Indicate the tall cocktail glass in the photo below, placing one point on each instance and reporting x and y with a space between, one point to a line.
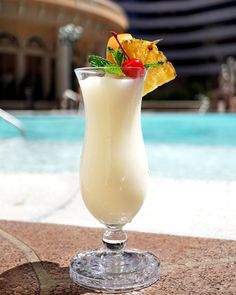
113 177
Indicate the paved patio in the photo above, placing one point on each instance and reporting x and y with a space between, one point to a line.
189 224
36 258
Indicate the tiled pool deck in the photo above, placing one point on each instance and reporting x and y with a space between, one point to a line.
36 258
189 224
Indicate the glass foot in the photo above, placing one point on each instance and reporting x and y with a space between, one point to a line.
115 272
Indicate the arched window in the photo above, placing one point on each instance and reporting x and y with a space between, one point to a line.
32 84
35 52
8 40
8 60
35 43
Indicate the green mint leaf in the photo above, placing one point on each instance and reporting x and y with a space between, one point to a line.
154 65
109 67
118 56
97 61
113 53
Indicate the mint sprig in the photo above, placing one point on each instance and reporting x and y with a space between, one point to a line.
119 58
97 61
109 67
154 65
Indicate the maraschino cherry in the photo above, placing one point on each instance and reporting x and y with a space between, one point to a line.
132 66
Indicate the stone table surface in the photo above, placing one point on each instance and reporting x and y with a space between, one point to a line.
35 257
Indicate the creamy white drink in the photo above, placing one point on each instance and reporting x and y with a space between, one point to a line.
114 170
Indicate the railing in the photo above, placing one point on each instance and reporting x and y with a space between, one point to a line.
197 19
70 96
204 103
201 105
167 6
12 121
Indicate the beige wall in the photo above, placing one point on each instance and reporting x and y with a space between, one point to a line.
43 18
24 30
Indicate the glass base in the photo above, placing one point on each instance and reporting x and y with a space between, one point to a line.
115 272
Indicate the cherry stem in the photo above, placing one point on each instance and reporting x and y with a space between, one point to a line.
116 37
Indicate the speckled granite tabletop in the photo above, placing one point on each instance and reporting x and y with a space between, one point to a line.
35 257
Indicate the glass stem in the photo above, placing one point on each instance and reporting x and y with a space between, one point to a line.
114 238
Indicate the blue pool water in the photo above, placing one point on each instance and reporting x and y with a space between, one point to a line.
210 129
179 146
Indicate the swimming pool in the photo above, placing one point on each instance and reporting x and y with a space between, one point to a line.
180 128
179 146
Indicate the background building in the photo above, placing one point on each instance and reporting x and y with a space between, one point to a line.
41 41
198 36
